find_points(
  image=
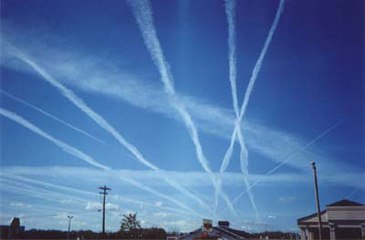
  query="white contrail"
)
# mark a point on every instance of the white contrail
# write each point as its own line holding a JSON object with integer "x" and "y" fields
{"x": 230, "y": 6}
{"x": 187, "y": 193}
{"x": 76, "y": 152}
{"x": 230, "y": 9}
{"x": 224, "y": 196}
{"x": 232, "y": 63}
{"x": 143, "y": 15}
{"x": 50, "y": 115}
{"x": 42, "y": 193}
{"x": 258, "y": 64}
{"x": 150, "y": 190}
{"x": 78, "y": 102}
{"x": 251, "y": 83}
{"x": 80, "y": 191}
{"x": 16, "y": 187}
{"x": 64, "y": 146}
{"x": 309, "y": 144}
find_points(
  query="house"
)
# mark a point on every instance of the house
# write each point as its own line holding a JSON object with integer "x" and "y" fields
{"x": 344, "y": 219}
{"x": 222, "y": 231}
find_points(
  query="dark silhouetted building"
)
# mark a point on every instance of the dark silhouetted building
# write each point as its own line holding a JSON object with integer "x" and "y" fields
{"x": 12, "y": 230}
{"x": 222, "y": 231}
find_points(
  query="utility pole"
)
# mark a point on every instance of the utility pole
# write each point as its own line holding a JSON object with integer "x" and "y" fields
{"x": 69, "y": 226}
{"x": 104, "y": 192}
{"x": 317, "y": 199}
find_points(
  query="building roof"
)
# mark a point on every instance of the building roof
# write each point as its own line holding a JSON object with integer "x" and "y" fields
{"x": 345, "y": 202}
{"x": 310, "y": 216}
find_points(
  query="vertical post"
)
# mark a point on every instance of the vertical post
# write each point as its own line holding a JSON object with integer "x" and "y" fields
{"x": 104, "y": 192}
{"x": 362, "y": 230}
{"x": 317, "y": 200}
{"x": 332, "y": 230}
{"x": 69, "y": 226}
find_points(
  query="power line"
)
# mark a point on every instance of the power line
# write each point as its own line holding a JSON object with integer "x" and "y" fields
{"x": 104, "y": 193}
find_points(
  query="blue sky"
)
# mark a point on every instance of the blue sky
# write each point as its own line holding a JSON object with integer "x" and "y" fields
{"x": 137, "y": 95}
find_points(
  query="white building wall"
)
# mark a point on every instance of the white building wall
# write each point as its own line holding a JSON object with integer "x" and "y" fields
{"x": 346, "y": 213}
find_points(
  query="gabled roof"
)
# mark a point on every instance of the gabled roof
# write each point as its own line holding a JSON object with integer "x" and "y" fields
{"x": 310, "y": 216}
{"x": 344, "y": 203}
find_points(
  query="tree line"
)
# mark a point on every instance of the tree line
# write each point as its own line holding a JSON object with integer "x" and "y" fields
{"x": 130, "y": 228}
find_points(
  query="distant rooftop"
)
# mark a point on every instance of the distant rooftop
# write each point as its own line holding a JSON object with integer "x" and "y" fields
{"x": 344, "y": 203}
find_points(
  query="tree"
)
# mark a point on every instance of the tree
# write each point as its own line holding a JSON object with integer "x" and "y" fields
{"x": 130, "y": 222}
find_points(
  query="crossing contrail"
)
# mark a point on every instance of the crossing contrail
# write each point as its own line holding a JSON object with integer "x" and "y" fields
{"x": 143, "y": 14}
{"x": 78, "y": 102}
{"x": 79, "y": 154}
{"x": 64, "y": 146}
{"x": 5, "y": 93}
{"x": 230, "y": 7}
{"x": 249, "y": 89}
{"x": 309, "y": 144}
{"x": 232, "y": 63}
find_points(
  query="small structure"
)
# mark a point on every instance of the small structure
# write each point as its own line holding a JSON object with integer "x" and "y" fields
{"x": 344, "y": 219}
{"x": 12, "y": 230}
{"x": 222, "y": 231}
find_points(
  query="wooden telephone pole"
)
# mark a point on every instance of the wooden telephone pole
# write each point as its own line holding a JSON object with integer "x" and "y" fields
{"x": 317, "y": 200}
{"x": 104, "y": 193}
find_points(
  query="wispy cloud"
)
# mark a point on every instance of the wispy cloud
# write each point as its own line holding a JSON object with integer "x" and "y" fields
{"x": 20, "y": 205}
{"x": 286, "y": 199}
{"x": 98, "y": 206}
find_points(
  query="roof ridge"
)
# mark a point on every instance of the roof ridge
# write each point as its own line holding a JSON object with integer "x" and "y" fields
{"x": 345, "y": 202}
